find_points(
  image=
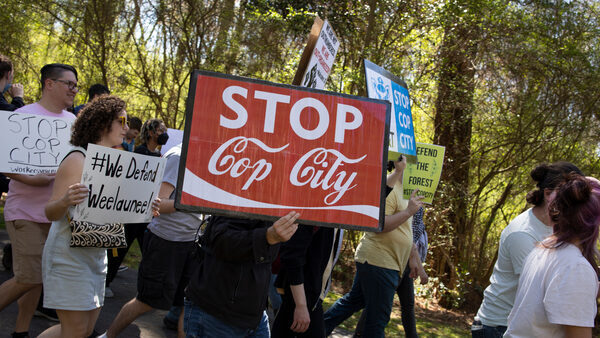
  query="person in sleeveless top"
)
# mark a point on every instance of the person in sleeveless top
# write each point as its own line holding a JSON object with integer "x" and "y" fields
{"x": 74, "y": 278}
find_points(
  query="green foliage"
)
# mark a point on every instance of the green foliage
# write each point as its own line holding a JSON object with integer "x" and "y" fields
{"x": 524, "y": 76}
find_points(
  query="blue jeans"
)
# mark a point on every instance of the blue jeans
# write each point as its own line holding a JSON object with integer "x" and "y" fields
{"x": 274, "y": 297}
{"x": 406, "y": 295}
{"x": 373, "y": 289}
{"x": 173, "y": 314}
{"x": 197, "y": 323}
{"x": 488, "y": 332}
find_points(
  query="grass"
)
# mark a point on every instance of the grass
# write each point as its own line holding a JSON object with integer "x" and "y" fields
{"x": 426, "y": 327}
{"x": 134, "y": 256}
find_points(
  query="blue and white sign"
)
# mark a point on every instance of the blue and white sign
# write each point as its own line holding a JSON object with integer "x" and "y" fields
{"x": 383, "y": 85}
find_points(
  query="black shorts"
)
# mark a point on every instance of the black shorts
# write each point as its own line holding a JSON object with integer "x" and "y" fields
{"x": 165, "y": 271}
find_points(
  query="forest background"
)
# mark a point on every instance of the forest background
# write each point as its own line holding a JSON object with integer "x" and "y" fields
{"x": 503, "y": 85}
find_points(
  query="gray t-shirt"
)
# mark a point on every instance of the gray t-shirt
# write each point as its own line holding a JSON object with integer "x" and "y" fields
{"x": 178, "y": 226}
{"x": 517, "y": 240}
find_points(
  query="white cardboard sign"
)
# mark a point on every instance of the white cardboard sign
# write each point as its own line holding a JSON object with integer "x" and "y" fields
{"x": 122, "y": 186}
{"x": 175, "y": 138}
{"x": 33, "y": 144}
{"x": 319, "y": 67}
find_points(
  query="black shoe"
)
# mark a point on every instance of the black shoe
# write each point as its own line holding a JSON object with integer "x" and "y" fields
{"x": 20, "y": 335}
{"x": 49, "y": 314}
{"x": 94, "y": 334}
{"x": 171, "y": 325}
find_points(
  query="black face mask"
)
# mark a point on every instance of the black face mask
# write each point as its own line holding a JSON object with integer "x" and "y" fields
{"x": 162, "y": 139}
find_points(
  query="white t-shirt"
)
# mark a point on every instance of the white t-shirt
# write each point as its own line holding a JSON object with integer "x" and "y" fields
{"x": 558, "y": 287}
{"x": 516, "y": 242}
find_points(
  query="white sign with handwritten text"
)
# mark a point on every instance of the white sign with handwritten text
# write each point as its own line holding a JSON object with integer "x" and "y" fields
{"x": 122, "y": 186}
{"x": 33, "y": 144}
{"x": 321, "y": 60}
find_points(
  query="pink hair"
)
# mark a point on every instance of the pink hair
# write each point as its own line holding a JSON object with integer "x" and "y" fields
{"x": 575, "y": 212}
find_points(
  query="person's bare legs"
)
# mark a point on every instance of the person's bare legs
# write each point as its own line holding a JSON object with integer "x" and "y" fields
{"x": 93, "y": 319}
{"x": 129, "y": 312}
{"x": 27, "y": 305}
{"x": 11, "y": 290}
{"x": 75, "y": 324}
{"x": 51, "y": 332}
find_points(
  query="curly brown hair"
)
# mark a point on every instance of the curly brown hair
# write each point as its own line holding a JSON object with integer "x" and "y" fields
{"x": 96, "y": 119}
{"x": 149, "y": 125}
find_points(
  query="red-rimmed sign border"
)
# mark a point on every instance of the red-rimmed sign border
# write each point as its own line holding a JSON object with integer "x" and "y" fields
{"x": 230, "y": 213}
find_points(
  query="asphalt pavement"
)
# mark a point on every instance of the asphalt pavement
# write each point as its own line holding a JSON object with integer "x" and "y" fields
{"x": 149, "y": 325}
{"x": 124, "y": 287}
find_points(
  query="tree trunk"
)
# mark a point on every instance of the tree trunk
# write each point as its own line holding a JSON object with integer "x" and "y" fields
{"x": 453, "y": 128}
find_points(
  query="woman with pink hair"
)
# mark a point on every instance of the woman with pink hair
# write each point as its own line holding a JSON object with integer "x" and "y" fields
{"x": 557, "y": 290}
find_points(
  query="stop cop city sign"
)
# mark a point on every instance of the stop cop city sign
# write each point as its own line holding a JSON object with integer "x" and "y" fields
{"x": 258, "y": 149}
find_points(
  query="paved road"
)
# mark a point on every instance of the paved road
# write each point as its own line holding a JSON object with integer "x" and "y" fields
{"x": 149, "y": 325}
{"x": 124, "y": 286}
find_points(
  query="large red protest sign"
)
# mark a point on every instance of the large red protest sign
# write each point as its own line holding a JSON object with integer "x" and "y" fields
{"x": 257, "y": 149}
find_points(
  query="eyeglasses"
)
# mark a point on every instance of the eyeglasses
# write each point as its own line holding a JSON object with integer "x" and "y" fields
{"x": 72, "y": 85}
{"x": 124, "y": 121}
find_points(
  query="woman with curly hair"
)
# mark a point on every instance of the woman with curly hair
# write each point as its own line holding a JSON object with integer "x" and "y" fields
{"x": 558, "y": 288}
{"x": 74, "y": 277}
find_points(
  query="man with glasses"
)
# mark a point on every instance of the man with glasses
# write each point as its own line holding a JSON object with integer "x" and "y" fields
{"x": 26, "y": 221}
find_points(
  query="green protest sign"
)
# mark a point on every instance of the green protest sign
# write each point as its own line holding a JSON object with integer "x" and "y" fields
{"x": 425, "y": 174}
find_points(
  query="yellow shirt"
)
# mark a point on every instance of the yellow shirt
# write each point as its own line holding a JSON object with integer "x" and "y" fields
{"x": 388, "y": 250}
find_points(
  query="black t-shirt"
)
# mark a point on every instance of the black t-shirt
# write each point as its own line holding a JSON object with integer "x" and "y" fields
{"x": 143, "y": 149}
{"x": 17, "y": 103}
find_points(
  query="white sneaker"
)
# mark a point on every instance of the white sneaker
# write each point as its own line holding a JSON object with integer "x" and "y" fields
{"x": 108, "y": 293}
{"x": 102, "y": 335}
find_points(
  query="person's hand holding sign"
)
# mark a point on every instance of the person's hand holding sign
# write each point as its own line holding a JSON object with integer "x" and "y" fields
{"x": 75, "y": 194}
{"x": 283, "y": 228}
{"x": 156, "y": 207}
{"x": 415, "y": 203}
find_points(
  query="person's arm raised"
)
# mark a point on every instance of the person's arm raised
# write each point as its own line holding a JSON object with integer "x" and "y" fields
{"x": 283, "y": 228}
{"x": 231, "y": 241}
{"x": 395, "y": 220}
